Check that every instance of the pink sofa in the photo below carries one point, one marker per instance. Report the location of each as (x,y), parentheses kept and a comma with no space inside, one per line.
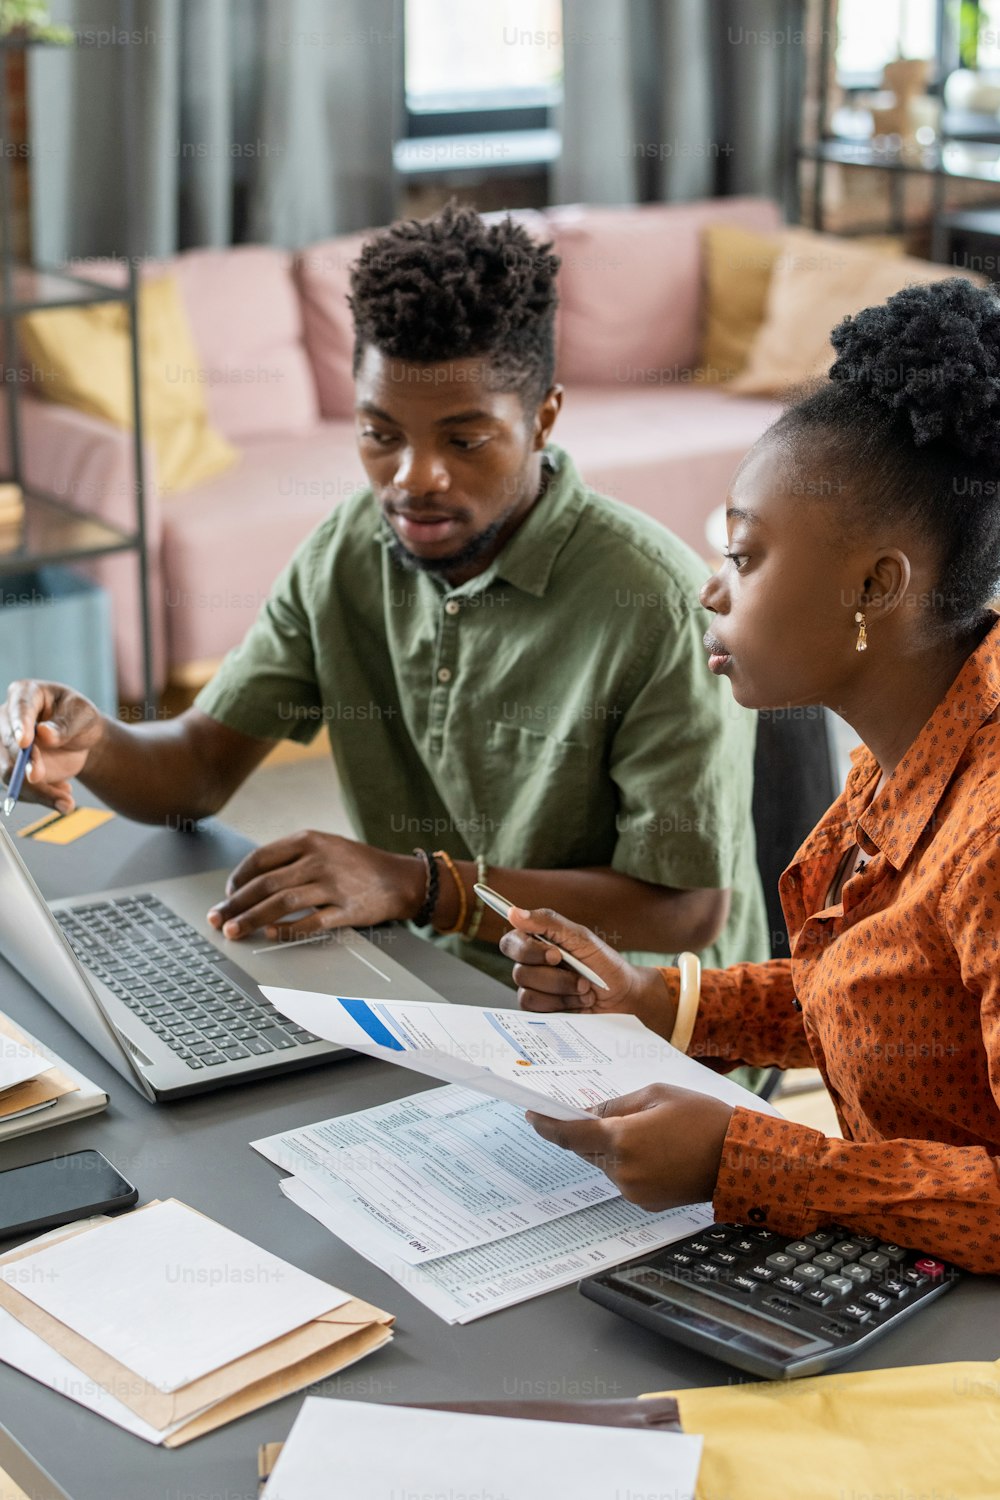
(273,332)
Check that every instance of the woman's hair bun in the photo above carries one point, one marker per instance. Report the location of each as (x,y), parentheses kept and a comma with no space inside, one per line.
(931,353)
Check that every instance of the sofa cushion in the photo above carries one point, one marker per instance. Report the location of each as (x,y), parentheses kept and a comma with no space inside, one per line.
(669,452)
(818,280)
(82,352)
(247,325)
(630,284)
(254,518)
(322,274)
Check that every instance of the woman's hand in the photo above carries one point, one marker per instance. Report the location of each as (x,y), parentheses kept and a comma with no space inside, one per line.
(546,983)
(661,1146)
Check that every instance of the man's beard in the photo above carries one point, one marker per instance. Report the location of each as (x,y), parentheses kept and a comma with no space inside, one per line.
(473,550)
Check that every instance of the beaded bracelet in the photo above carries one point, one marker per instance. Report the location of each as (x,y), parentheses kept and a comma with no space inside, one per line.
(463,898)
(430,900)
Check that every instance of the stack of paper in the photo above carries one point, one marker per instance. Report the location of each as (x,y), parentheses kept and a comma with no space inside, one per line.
(36,1089)
(450,1191)
(170,1325)
(372,1452)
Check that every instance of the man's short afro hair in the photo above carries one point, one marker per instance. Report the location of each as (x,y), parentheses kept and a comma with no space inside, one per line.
(455,286)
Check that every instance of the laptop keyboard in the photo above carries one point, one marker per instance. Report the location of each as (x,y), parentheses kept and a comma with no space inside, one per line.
(174,980)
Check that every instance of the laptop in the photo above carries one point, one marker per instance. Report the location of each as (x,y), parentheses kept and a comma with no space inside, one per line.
(171,1004)
(21,1469)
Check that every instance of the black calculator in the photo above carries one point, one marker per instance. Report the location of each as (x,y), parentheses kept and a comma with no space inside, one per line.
(773,1306)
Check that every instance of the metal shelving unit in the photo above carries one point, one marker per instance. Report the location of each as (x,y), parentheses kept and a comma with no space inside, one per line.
(51,530)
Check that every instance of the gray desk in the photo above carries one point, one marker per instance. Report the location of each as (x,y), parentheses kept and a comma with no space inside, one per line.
(197,1150)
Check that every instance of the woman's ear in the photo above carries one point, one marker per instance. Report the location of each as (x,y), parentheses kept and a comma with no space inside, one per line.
(886,584)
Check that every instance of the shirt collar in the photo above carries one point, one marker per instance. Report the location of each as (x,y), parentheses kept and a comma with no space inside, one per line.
(907,802)
(529,557)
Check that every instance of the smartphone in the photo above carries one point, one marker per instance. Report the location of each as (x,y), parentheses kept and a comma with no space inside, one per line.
(502,905)
(46,1194)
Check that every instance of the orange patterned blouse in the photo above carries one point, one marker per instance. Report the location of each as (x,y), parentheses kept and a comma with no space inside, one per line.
(893,993)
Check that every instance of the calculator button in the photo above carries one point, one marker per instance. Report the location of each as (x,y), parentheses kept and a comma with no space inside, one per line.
(800,1250)
(928,1266)
(817,1296)
(860,1275)
(838,1285)
(761,1273)
(705,1271)
(822,1239)
(891,1286)
(781,1262)
(743,1283)
(849,1249)
(856,1312)
(866,1241)
(874,1261)
(809,1273)
(789,1284)
(896,1253)
(828,1260)
(745,1246)
(913,1277)
(719,1234)
(679,1258)
(698,1247)
(725,1258)
(763,1236)
(878,1300)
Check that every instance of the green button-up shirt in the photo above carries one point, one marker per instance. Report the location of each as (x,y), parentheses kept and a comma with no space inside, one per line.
(554,712)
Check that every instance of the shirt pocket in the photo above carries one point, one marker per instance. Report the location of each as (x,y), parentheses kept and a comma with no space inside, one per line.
(552,802)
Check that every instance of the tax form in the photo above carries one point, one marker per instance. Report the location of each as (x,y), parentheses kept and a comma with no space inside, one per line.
(559,1065)
(439,1172)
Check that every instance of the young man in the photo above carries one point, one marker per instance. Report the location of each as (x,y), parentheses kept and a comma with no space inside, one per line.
(509,666)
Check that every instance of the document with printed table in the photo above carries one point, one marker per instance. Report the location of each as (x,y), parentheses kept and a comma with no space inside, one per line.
(37,1089)
(455,1196)
(170,1325)
(558,1065)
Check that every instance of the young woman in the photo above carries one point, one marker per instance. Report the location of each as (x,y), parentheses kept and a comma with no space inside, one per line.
(864,550)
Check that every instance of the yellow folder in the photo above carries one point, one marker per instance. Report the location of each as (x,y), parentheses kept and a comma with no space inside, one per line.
(921,1432)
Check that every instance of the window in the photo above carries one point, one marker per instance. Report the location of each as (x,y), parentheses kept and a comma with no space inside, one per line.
(870,35)
(471,57)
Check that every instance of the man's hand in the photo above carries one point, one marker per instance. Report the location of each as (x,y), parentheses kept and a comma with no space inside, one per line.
(661,1146)
(546,983)
(349,885)
(65,727)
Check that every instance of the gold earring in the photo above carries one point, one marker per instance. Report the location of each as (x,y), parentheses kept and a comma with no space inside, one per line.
(862,641)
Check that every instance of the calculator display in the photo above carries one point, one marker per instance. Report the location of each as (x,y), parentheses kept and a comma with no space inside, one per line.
(740,1319)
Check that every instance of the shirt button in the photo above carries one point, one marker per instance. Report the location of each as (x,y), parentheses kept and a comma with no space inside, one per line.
(757,1215)
(452,607)
(444,674)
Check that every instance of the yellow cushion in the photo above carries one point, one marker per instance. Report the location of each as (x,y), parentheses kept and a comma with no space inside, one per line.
(737,269)
(82,354)
(816,281)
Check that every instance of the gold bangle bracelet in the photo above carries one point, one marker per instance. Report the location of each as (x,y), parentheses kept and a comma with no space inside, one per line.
(463,897)
(689,966)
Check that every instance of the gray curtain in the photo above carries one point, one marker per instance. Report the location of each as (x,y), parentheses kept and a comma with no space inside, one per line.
(679,99)
(262,120)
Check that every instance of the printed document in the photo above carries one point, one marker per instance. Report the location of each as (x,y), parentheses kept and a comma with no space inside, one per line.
(368,1451)
(462,1287)
(558,1065)
(439,1172)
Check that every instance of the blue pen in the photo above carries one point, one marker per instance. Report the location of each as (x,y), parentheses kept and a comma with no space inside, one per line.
(17,780)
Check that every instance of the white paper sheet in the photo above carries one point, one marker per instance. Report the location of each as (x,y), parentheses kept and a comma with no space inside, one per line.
(460,1288)
(170,1294)
(558,1065)
(439,1172)
(377,1452)
(19,1063)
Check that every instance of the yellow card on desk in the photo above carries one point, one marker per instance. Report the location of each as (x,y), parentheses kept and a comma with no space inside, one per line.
(73,826)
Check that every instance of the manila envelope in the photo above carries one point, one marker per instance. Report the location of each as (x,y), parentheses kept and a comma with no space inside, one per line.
(51,1085)
(313,1352)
